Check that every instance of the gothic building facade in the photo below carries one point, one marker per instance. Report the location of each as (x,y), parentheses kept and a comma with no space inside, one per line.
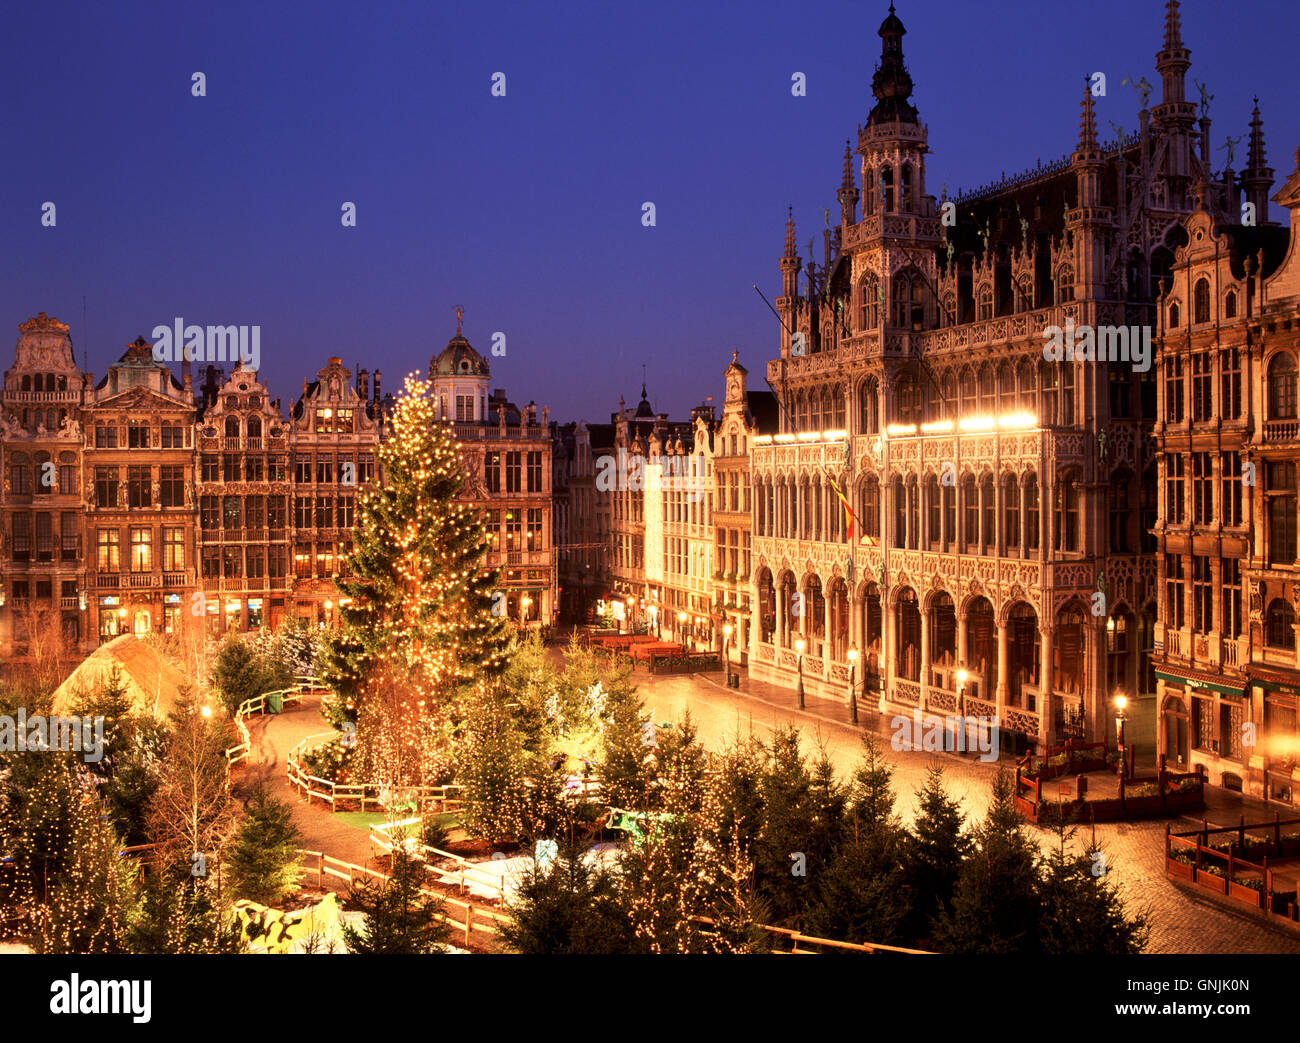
(1002,500)
(1228,437)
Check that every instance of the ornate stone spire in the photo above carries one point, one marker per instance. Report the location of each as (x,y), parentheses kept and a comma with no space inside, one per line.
(892,84)
(791,250)
(1087,121)
(1257,178)
(1173,27)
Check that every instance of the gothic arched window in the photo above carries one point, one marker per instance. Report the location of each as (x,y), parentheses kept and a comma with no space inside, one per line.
(1282,387)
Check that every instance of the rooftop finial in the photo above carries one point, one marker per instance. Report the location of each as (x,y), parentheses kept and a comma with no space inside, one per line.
(460,313)
(1256,160)
(790,249)
(1088,121)
(1173,27)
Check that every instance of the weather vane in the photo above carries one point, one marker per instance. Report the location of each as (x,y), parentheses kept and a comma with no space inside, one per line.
(460,312)
(1141,86)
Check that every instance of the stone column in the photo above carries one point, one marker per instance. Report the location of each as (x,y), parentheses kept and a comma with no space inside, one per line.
(828,643)
(781,611)
(1045,698)
(925,656)
(1023,521)
(961,635)
(1004,656)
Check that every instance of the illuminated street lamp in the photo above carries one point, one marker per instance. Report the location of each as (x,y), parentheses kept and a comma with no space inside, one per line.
(726,651)
(681,626)
(853,694)
(524,602)
(799,647)
(1121,704)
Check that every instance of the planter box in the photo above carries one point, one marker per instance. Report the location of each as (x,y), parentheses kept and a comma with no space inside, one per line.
(1212,883)
(1246,895)
(1281,901)
(1179,869)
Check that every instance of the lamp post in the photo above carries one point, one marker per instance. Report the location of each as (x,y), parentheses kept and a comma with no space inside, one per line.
(853,687)
(799,646)
(631,615)
(726,651)
(681,627)
(121,615)
(1121,704)
(524,602)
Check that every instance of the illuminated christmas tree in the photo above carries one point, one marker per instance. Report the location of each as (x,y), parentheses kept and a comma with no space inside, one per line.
(418,608)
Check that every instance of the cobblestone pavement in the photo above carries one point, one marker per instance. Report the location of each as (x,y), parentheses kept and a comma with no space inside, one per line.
(1135,851)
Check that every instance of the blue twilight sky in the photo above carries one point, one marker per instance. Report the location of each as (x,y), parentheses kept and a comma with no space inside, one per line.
(525,209)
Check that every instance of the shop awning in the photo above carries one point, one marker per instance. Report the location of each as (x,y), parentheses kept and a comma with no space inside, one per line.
(1196,679)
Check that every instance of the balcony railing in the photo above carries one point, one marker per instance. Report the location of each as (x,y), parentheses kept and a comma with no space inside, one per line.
(1281,430)
(72,602)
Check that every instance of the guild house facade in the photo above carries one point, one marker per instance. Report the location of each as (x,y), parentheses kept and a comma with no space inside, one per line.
(1228,437)
(131,504)
(975,376)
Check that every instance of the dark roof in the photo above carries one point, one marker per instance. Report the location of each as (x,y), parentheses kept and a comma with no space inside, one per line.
(1249,240)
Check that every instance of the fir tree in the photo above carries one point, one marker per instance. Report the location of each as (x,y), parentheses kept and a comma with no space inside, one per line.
(1081,911)
(263,858)
(419,598)
(995,903)
(399,916)
(933,853)
(490,768)
(180,915)
(570,907)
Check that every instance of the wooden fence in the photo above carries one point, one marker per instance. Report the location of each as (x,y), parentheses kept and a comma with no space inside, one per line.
(1172,796)
(257,705)
(472,923)
(359,796)
(1190,857)
(798,944)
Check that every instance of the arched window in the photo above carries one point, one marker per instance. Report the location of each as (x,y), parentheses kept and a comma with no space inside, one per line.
(254,427)
(1201,301)
(1174,317)
(869,303)
(1024,294)
(1230,305)
(869,405)
(1011,512)
(907,400)
(1006,388)
(1065,524)
(1282,387)
(870,517)
(232,427)
(1028,393)
(907,188)
(887,187)
(1279,625)
(869,193)
(1065,284)
(988,396)
(985,309)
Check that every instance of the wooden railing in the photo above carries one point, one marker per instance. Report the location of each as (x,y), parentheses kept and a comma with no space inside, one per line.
(257,705)
(461,872)
(797,942)
(1227,875)
(480,919)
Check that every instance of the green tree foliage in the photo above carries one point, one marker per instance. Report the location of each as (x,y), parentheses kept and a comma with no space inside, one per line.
(420,599)
(571,906)
(399,918)
(490,767)
(1080,909)
(933,853)
(263,858)
(180,915)
(241,672)
(995,901)
(68,877)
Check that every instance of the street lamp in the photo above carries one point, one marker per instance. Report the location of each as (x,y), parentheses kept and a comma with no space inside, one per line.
(524,602)
(681,626)
(853,688)
(1121,704)
(799,647)
(121,615)
(726,651)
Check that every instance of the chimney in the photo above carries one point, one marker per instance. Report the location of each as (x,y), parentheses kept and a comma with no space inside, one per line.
(363,384)
(378,375)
